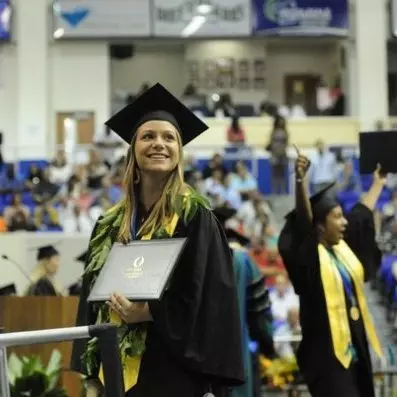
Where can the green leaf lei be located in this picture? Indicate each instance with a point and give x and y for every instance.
(131, 337)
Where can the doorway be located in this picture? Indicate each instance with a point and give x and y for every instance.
(75, 133)
(302, 90)
(76, 126)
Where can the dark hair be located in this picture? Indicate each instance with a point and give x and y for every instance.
(10, 172)
(279, 123)
(190, 90)
(235, 125)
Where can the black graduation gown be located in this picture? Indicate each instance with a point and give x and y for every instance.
(323, 373)
(42, 287)
(194, 339)
(75, 289)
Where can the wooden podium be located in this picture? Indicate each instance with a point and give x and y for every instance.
(34, 313)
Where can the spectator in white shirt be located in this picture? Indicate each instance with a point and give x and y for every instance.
(232, 196)
(77, 221)
(282, 298)
(323, 170)
(213, 186)
(59, 170)
(247, 213)
(289, 330)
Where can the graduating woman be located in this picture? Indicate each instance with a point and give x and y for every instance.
(188, 343)
(44, 282)
(328, 258)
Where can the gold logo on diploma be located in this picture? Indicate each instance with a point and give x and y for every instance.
(136, 270)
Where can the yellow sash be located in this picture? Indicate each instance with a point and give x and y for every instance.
(131, 365)
(336, 303)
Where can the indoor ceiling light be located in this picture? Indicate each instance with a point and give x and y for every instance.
(59, 33)
(204, 9)
(196, 23)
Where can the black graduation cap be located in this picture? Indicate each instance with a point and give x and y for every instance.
(9, 289)
(321, 202)
(224, 213)
(378, 147)
(234, 235)
(46, 252)
(82, 257)
(157, 103)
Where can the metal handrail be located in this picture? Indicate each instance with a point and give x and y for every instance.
(108, 346)
(43, 336)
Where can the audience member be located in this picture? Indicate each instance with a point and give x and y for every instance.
(16, 208)
(244, 181)
(323, 168)
(268, 261)
(215, 163)
(232, 197)
(34, 176)
(278, 145)
(96, 170)
(189, 169)
(46, 217)
(44, 190)
(290, 329)
(213, 186)
(59, 170)
(109, 189)
(235, 133)
(247, 213)
(348, 180)
(10, 180)
(283, 298)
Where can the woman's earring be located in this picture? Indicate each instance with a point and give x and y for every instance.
(137, 177)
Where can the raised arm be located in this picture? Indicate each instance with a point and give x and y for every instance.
(371, 197)
(360, 233)
(302, 200)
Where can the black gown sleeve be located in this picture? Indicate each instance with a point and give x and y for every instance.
(86, 315)
(198, 316)
(298, 249)
(360, 236)
(42, 287)
(259, 316)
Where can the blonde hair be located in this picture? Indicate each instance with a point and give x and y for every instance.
(163, 208)
(40, 272)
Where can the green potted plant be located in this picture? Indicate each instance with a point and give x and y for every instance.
(29, 377)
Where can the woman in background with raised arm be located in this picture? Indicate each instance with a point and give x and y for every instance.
(328, 258)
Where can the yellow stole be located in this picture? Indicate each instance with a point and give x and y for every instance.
(336, 303)
(131, 365)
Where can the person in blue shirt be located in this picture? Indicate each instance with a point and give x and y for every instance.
(254, 306)
(244, 181)
(10, 181)
(348, 179)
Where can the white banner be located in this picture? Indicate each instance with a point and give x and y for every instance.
(193, 18)
(91, 19)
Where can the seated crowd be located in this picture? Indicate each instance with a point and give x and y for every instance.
(62, 197)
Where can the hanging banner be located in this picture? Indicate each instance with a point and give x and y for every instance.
(98, 19)
(198, 18)
(5, 20)
(300, 17)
